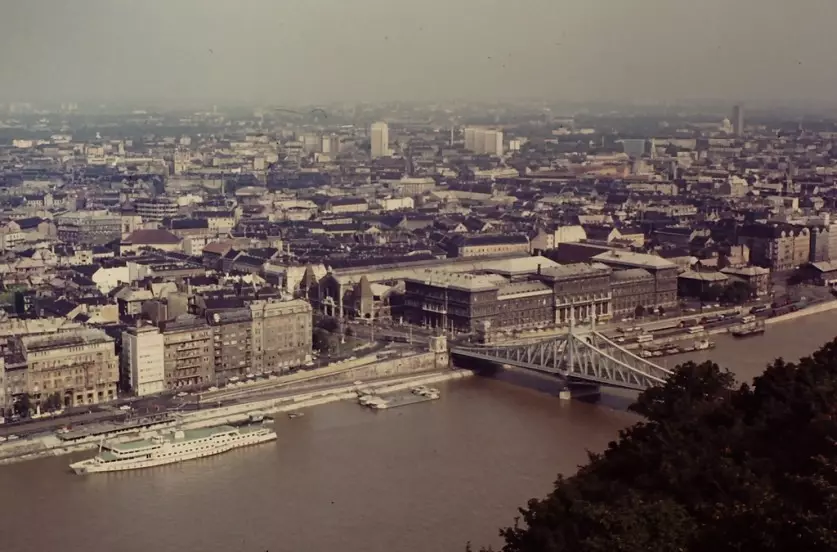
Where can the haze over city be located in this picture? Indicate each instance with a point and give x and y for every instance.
(371, 50)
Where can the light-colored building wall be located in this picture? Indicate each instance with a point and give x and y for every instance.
(394, 204)
(143, 360)
(188, 354)
(484, 141)
(108, 278)
(494, 249)
(379, 134)
(281, 335)
(80, 366)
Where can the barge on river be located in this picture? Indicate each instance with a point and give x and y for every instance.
(670, 350)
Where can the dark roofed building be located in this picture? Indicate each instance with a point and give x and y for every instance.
(484, 245)
(156, 239)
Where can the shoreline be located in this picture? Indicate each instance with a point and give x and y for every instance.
(50, 445)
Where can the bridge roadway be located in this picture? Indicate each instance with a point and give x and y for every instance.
(583, 356)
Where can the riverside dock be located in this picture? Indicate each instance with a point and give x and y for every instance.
(416, 395)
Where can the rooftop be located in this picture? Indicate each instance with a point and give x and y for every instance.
(464, 282)
(524, 288)
(560, 272)
(520, 265)
(630, 275)
(140, 237)
(636, 260)
(74, 338)
(704, 276)
(747, 270)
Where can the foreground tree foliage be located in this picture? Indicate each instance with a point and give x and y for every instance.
(713, 467)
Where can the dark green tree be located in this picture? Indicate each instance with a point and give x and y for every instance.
(328, 323)
(639, 311)
(324, 341)
(711, 466)
(711, 293)
(737, 293)
(23, 406)
(52, 402)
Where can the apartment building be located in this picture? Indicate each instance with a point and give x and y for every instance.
(156, 209)
(218, 222)
(189, 358)
(143, 360)
(89, 227)
(231, 342)
(80, 366)
(776, 246)
(281, 335)
(485, 245)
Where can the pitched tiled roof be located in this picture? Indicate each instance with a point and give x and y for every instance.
(151, 237)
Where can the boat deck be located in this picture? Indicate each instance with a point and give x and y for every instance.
(188, 435)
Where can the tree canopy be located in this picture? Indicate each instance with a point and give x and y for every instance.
(737, 293)
(712, 466)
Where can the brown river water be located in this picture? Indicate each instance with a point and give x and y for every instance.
(427, 477)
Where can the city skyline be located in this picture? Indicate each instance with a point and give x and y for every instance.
(296, 52)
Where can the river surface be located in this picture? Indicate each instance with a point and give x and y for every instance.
(428, 477)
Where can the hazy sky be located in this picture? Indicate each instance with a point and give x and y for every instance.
(326, 50)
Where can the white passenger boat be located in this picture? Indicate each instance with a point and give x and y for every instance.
(172, 447)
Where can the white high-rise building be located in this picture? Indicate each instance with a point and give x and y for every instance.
(483, 141)
(380, 140)
(493, 142)
(470, 138)
(143, 359)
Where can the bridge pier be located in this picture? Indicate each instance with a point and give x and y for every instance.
(577, 390)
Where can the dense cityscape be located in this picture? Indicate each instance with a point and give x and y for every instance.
(186, 268)
(225, 247)
(545, 276)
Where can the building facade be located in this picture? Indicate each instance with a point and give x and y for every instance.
(189, 358)
(281, 335)
(776, 246)
(379, 134)
(79, 366)
(89, 227)
(484, 141)
(664, 273)
(156, 209)
(631, 288)
(231, 342)
(143, 360)
(581, 292)
(454, 302)
(820, 244)
(485, 245)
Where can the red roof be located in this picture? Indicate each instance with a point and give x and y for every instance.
(151, 237)
(219, 247)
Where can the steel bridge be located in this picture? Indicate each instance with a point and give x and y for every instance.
(580, 356)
